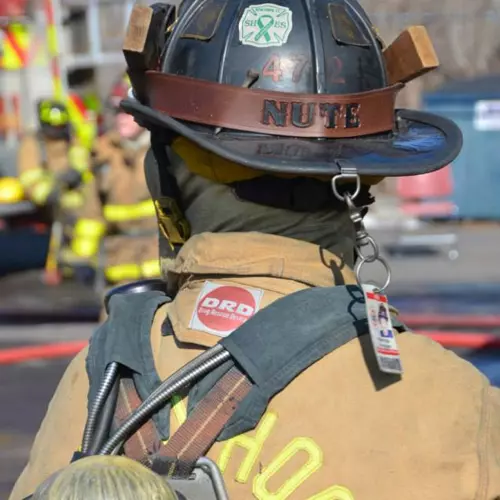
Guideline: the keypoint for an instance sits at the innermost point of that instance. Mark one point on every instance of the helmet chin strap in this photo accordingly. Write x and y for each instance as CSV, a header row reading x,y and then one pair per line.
x,y
299,194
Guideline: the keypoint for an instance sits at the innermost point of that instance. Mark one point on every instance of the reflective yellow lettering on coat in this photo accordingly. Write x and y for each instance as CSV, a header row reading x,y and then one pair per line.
x,y
253,445
333,493
314,462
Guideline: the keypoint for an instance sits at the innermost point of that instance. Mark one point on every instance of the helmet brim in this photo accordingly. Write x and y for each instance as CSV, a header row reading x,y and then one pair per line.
x,y
424,143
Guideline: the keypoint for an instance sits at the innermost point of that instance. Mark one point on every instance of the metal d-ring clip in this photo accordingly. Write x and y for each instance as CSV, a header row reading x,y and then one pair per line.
x,y
363,239
347,173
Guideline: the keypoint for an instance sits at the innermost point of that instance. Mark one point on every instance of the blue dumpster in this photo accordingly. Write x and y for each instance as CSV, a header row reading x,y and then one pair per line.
x,y
475,106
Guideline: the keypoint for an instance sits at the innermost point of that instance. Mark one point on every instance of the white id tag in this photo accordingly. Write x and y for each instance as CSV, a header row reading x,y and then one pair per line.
x,y
381,332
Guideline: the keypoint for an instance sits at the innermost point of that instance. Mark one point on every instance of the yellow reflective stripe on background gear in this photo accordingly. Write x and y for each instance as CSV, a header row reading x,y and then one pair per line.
x,y
151,268
31,176
89,228
13,57
87,237
85,247
52,43
124,213
122,272
11,190
72,199
41,191
87,176
79,158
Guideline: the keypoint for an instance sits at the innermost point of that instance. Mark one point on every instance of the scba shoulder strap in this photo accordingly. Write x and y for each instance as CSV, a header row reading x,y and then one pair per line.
x,y
229,401
142,286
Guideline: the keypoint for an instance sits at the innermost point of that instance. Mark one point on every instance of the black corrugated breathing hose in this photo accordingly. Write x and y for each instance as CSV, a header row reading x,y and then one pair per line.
x,y
107,384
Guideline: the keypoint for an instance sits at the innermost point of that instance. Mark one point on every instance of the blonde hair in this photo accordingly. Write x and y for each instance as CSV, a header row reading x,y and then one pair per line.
x,y
105,478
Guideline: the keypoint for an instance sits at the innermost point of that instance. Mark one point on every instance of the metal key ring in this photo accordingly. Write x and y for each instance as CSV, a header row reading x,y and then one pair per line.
x,y
359,266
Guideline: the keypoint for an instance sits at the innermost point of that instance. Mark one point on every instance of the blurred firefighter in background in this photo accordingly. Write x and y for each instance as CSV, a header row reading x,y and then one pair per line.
x,y
53,165
116,234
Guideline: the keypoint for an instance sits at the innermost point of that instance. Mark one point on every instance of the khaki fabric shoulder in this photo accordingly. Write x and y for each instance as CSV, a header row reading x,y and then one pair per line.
x,y
490,487
344,431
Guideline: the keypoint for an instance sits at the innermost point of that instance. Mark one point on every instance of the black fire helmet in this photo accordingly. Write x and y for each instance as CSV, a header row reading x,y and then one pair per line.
x,y
289,87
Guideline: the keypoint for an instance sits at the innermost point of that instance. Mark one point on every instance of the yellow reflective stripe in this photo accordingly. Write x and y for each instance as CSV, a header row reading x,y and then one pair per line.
x,y
52,44
9,57
85,247
31,176
41,191
79,158
123,213
86,133
151,268
122,272
147,269
72,199
11,190
58,88
87,176
89,228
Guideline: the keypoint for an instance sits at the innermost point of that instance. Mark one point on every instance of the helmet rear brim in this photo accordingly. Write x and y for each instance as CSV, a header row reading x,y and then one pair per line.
x,y
423,143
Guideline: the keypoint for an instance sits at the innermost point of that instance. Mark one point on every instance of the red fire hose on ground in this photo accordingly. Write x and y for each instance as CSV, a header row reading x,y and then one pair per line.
x,y
457,331
451,321
23,354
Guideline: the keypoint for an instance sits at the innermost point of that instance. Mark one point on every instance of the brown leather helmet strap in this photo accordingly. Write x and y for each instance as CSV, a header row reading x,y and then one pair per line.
x,y
274,113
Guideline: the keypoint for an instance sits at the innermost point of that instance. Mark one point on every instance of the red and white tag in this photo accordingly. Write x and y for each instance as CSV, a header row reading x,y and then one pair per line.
x,y
381,331
220,309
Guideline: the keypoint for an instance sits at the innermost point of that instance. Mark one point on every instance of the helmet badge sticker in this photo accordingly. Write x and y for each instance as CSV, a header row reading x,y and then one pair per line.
x,y
265,25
